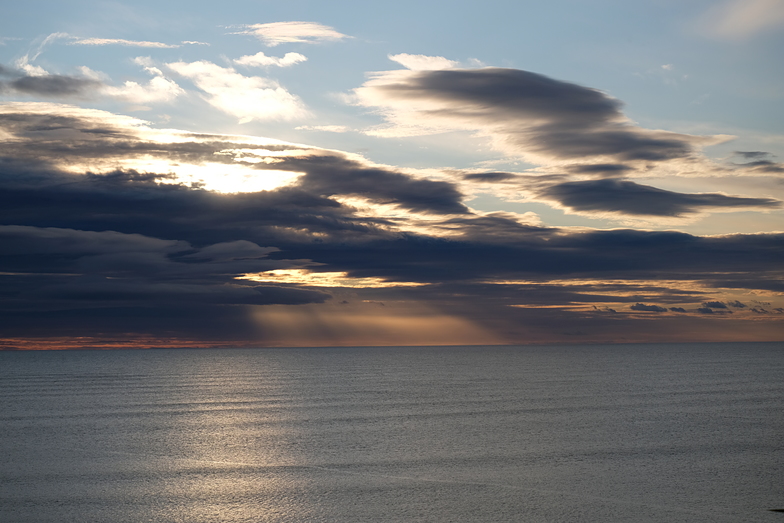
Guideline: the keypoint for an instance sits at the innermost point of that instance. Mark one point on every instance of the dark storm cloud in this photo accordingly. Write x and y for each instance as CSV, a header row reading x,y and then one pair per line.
x,y
647,308
628,197
523,111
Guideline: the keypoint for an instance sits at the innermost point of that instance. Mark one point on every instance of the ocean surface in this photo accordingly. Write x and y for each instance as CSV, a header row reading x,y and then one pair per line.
x,y
623,433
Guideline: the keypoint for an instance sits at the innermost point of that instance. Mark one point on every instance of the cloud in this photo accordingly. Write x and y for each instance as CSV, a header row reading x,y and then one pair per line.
x,y
325,128
714,305
262,60
92,244
120,41
601,169
52,86
102,142
247,98
158,90
742,19
489,177
647,308
420,62
524,113
626,197
91,84
277,33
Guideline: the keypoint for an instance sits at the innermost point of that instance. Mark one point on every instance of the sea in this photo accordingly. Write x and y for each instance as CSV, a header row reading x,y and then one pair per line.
x,y
584,433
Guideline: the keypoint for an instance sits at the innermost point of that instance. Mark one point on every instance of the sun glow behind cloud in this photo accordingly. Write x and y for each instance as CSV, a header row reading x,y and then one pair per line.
x,y
324,279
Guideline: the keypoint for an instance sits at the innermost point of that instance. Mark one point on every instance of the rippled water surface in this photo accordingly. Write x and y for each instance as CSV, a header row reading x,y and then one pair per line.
x,y
633,433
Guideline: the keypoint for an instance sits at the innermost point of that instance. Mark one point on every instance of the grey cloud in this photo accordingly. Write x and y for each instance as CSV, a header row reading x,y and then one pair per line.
x,y
759,161
714,305
604,169
489,177
53,85
330,175
737,304
523,111
677,309
121,252
623,196
752,155
101,290
764,166
40,140
647,308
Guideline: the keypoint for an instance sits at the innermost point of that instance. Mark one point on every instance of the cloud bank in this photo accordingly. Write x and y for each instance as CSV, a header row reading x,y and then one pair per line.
x,y
92,244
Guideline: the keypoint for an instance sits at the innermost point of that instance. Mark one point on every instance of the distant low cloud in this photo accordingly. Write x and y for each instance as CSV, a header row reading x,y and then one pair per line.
x,y
245,97
262,60
277,33
647,308
714,305
741,19
627,197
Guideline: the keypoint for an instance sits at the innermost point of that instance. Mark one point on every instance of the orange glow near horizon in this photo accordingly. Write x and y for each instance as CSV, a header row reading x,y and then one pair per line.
x,y
322,279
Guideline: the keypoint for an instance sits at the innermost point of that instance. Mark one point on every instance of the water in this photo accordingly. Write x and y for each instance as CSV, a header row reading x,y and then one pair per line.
x,y
634,433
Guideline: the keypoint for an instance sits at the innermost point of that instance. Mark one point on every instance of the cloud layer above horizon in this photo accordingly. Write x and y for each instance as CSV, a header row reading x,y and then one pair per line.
x,y
115,227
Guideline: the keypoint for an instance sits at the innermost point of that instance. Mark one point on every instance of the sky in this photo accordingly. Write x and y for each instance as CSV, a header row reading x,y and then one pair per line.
x,y
308,173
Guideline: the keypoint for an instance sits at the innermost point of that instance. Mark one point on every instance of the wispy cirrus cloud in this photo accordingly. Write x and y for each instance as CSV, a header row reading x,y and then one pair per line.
x,y
121,41
277,33
246,97
741,19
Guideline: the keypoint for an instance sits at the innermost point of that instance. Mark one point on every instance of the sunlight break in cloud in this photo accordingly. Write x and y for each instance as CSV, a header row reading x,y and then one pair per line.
x,y
261,60
278,33
420,62
246,97
739,19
